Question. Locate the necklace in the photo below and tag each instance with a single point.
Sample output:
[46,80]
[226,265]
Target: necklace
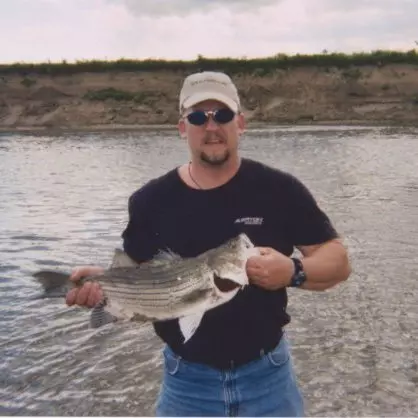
[192,178]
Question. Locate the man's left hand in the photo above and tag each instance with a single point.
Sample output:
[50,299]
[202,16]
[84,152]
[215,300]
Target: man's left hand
[271,269]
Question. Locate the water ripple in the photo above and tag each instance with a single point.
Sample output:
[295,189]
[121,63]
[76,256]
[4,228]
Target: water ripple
[355,347]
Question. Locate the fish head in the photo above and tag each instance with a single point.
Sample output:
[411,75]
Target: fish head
[228,263]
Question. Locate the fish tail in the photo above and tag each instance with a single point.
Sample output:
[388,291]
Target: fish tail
[54,283]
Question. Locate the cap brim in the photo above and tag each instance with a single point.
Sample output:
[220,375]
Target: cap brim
[200,97]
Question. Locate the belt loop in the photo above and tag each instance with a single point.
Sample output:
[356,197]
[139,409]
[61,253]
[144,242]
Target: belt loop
[262,352]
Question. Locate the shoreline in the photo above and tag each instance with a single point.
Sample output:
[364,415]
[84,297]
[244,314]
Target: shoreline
[172,127]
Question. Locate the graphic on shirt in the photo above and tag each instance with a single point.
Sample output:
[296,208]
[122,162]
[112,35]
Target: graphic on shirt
[249,221]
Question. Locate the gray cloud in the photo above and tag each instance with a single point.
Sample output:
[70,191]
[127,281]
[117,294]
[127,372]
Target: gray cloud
[379,23]
[110,29]
[184,7]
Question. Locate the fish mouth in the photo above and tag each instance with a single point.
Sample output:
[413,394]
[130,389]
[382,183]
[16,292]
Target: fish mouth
[225,285]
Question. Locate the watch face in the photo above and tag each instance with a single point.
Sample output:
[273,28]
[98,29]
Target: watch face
[299,279]
[299,276]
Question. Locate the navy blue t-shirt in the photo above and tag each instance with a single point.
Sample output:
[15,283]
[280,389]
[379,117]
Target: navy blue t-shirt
[271,206]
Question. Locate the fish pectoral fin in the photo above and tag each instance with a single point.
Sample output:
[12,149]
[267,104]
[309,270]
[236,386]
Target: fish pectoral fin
[99,316]
[189,324]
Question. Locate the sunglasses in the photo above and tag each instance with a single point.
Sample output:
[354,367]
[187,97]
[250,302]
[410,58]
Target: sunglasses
[200,117]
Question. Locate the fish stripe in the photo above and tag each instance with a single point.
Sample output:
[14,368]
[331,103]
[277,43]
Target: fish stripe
[147,282]
[175,293]
[172,271]
[178,284]
[140,286]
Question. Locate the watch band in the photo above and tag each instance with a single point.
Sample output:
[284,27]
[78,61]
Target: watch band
[299,276]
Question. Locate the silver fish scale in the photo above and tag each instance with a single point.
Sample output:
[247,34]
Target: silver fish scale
[132,289]
[149,279]
[156,273]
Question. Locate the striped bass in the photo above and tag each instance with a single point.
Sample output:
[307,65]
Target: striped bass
[166,287]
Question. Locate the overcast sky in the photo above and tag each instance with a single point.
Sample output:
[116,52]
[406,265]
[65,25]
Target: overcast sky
[41,30]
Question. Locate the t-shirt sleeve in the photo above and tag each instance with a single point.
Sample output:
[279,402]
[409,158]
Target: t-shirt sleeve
[308,223]
[139,239]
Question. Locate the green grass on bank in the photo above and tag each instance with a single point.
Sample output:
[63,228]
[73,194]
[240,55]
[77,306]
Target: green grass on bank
[259,66]
[143,97]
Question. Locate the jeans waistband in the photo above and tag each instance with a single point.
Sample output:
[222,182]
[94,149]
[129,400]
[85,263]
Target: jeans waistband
[240,358]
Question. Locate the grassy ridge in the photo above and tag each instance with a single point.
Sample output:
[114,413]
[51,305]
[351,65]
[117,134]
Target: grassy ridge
[258,66]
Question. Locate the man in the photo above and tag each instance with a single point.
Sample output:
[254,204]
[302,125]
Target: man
[238,363]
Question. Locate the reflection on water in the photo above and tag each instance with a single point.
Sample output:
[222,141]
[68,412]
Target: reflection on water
[63,203]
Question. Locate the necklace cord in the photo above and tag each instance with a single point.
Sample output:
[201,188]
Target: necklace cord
[192,178]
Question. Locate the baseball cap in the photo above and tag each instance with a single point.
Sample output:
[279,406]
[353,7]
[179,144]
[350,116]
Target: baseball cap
[208,85]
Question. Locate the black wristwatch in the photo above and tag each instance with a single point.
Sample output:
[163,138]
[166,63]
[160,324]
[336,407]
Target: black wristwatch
[299,276]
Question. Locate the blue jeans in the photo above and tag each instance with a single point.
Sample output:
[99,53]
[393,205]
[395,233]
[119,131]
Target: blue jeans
[265,387]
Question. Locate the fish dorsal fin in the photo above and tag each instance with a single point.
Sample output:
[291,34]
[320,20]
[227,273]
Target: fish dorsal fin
[189,324]
[121,259]
[166,255]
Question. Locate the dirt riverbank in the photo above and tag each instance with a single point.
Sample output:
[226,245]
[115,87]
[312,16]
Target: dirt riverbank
[130,100]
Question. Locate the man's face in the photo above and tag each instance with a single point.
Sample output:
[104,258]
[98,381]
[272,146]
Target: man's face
[213,143]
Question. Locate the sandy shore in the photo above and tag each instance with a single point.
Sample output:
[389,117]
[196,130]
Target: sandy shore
[172,127]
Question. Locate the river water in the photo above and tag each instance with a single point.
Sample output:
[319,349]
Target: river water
[63,202]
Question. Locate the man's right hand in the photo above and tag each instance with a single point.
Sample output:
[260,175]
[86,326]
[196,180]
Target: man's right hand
[90,293]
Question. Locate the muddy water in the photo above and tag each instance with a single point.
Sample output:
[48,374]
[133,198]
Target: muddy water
[63,203]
